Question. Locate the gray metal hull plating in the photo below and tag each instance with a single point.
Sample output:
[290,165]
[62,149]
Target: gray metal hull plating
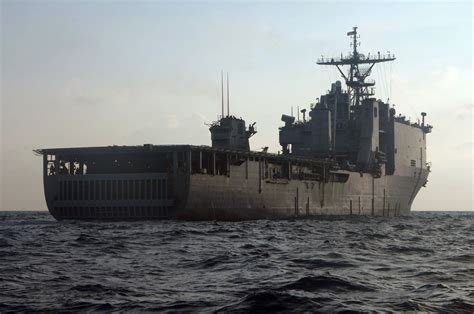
[208,184]
[237,198]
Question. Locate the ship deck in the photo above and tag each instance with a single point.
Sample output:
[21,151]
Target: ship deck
[150,148]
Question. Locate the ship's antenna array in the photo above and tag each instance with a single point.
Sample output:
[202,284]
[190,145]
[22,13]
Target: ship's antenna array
[228,112]
[222,95]
[222,92]
[358,87]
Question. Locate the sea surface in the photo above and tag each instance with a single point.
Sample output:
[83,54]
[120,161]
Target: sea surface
[422,262]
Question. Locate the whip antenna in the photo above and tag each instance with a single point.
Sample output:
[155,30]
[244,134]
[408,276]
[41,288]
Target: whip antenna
[222,91]
[228,112]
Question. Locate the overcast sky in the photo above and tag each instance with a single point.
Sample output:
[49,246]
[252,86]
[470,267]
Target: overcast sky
[97,73]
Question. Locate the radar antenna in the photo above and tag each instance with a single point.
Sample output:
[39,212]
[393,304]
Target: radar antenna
[358,87]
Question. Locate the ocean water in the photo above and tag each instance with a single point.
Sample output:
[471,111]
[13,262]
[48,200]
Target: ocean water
[422,262]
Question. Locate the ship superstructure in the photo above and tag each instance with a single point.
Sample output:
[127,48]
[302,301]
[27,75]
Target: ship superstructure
[352,155]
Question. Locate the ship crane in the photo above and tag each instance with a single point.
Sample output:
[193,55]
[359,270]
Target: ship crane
[359,87]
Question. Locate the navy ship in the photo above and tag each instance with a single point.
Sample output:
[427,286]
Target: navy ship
[352,155]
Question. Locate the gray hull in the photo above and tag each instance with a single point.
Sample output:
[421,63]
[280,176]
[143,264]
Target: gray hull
[236,198]
[231,191]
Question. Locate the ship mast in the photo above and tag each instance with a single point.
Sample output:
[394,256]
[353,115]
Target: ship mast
[358,87]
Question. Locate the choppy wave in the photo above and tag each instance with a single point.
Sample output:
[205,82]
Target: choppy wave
[424,262]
